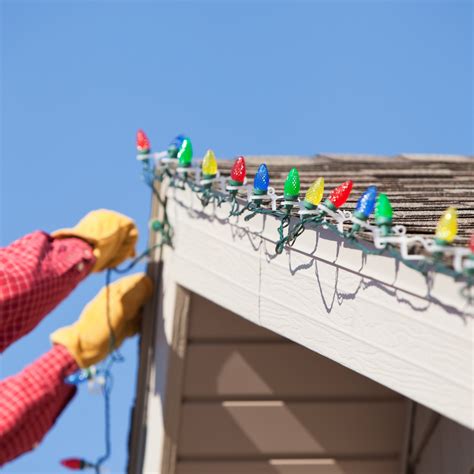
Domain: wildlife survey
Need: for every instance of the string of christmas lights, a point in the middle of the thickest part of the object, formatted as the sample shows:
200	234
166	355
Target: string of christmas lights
261	198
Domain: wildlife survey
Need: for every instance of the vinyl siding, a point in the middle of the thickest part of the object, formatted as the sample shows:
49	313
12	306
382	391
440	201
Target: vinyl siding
254	402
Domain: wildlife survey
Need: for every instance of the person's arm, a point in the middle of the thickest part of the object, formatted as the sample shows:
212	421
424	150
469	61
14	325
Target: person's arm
31	401
36	273
39	270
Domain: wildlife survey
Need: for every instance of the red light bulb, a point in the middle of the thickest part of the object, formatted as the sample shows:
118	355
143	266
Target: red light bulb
238	171
143	144
74	464
471	243
340	194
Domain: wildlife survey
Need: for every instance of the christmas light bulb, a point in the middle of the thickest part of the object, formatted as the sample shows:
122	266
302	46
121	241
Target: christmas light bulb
383	209
81	375
175	145
339	195
383	214
314	194
447	228
209	165
238	172
292	185
185	153
261	180
177	140
143	144
74	464
366	203
470	270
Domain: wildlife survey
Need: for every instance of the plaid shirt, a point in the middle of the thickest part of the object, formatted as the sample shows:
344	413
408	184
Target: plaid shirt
36	273
31	401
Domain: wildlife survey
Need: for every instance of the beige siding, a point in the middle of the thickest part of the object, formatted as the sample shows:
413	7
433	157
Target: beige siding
273	428
289	466
210	322
254	402
273	370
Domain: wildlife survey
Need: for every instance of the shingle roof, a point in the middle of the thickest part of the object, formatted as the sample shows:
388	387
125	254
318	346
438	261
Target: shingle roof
420	187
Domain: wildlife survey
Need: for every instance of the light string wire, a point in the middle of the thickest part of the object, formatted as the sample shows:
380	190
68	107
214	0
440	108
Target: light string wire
397	243
105	370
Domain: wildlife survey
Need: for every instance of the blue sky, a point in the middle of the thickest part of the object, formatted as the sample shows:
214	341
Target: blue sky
243	78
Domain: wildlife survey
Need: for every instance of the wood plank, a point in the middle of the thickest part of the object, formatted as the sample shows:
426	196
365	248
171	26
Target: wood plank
201	269
138	438
405	376
276	429
289	466
355	319
209	321
174	384
272	370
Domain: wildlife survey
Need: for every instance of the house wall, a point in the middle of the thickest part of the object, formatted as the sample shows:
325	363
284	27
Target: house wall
255	402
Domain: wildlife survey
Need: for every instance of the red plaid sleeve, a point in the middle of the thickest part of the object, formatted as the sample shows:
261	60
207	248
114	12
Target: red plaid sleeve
36	273
31	401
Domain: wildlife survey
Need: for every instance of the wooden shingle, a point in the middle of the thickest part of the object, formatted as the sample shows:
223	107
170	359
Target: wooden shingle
420	187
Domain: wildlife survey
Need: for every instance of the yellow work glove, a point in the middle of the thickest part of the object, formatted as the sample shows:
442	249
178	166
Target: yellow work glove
88	339
112	235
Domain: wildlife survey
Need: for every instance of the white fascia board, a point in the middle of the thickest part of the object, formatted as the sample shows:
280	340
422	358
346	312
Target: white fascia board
409	332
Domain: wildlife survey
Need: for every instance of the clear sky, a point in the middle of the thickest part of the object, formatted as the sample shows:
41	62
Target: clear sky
241	77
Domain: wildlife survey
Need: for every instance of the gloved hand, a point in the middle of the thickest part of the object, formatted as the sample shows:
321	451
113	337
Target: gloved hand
88	339
112	235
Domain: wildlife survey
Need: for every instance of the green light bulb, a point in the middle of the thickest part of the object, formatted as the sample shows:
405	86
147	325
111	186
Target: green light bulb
292	185
156	225
185	154
383	213
383	209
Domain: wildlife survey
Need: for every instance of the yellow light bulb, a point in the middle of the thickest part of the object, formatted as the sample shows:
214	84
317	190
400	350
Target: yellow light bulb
315	192
209	164
447	226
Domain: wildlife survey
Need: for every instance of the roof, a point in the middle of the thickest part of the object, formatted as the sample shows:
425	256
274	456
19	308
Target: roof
420	187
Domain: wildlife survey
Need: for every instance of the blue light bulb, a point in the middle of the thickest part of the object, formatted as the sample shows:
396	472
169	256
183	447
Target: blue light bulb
175	145
77	377
81	375
366	203
262	179
177	141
